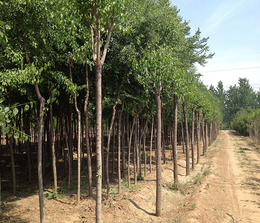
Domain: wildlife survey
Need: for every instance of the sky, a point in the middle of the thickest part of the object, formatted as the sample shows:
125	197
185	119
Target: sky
233	28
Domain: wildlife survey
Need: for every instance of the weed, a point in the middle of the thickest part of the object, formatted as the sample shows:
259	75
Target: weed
206	172
176	221
28	208
51	195
207	186
196	179
193	205
243	149
140	178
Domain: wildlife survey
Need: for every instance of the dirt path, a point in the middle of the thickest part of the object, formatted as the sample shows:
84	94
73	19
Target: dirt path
231	191
224	187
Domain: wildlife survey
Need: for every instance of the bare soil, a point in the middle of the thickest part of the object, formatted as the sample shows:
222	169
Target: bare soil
224	187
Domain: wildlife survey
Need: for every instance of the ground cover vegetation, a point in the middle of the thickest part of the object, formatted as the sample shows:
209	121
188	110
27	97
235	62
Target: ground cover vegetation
100	88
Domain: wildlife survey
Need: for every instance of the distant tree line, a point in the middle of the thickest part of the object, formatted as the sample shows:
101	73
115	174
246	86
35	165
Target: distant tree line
240	106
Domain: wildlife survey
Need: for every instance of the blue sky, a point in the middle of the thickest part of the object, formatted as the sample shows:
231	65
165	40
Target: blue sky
233	28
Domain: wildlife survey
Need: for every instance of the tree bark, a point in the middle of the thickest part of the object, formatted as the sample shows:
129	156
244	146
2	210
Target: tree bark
129	153
89	156
192	140
198	136
186	130
53	146
12	164
108	147
40	134
174	140
119	150
203	135
158	153
151	145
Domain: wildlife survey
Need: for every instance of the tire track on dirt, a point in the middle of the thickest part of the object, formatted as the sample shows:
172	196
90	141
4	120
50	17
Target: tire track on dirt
229	193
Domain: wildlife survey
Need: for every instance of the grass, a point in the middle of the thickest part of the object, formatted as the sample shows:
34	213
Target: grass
196	179
193	206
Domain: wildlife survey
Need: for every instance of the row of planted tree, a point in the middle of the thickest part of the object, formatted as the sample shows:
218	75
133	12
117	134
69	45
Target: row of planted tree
53	55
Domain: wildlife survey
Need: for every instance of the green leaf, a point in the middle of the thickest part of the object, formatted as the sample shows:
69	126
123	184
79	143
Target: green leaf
26	107
15	111
7	109
6	129
16	135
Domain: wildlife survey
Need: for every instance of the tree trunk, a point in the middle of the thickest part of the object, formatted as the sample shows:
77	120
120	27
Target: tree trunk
129	153
123	147
28	144
192	139
119	152
99	140
198	136
158	153
203	134
108	148
70	152
206	136
182	136
40	134
151	145
90	188
174	140
186	130
144	142
53	146
79	147
163	139
12	164
135	153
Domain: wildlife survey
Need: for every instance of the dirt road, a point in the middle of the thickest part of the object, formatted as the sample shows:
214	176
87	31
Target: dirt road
224	187
231	192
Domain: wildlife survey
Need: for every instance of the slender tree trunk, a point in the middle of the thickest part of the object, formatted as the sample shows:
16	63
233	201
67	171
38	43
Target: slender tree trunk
108	148
129	153
203	134
28	144
186	139
192	139
206	135
70	152
163	138
113	151
79	148
119	149
135	154
198	136
53	146
174	140
182	137
158	153
144	142
151	145
99	141
89	156
12	164
123	147
40	134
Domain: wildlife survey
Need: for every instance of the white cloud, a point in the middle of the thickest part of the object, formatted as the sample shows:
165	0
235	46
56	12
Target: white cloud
225	11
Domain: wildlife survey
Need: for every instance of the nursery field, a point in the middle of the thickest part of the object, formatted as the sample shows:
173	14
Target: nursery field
224	187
